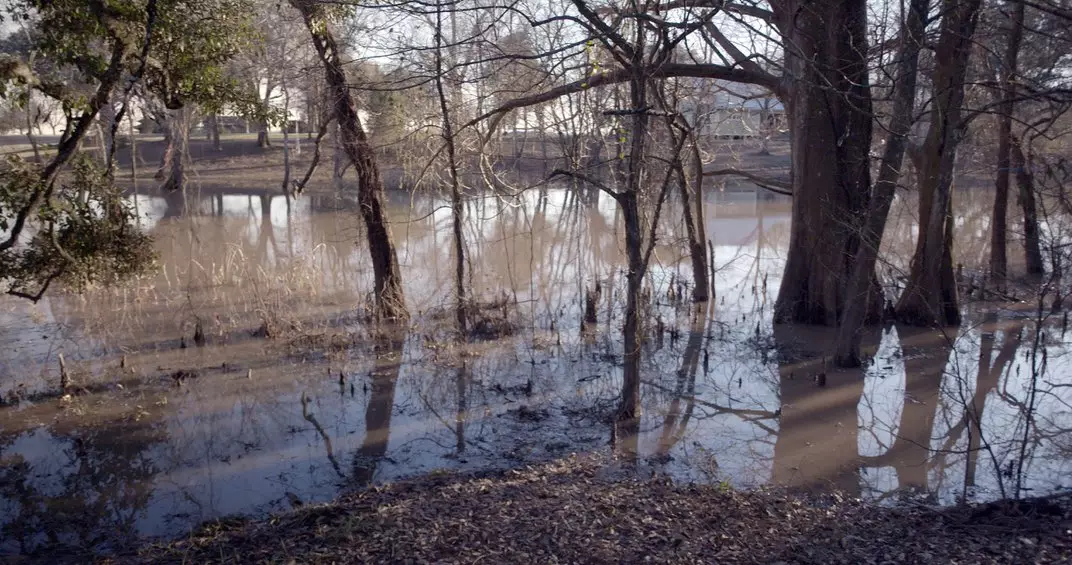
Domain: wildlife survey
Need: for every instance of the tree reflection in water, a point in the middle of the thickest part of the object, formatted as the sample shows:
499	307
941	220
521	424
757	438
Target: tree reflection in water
732	399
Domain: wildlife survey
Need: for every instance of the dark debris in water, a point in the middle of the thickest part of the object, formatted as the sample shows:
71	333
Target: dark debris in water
571	511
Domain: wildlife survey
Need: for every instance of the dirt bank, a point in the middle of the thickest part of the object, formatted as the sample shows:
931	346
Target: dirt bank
575	511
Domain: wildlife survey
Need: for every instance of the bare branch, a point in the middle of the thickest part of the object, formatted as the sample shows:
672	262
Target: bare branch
773	185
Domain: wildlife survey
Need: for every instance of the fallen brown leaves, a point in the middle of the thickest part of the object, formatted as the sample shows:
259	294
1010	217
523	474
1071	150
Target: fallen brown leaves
570	511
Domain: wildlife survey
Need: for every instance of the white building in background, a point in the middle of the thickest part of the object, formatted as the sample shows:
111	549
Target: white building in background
729	110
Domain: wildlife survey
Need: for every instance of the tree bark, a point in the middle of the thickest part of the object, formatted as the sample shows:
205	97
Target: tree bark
457	208
1007	76
930	296
169	149
179	128
1025	181
863	270
628	199
388	280
213	124
177	152
828	105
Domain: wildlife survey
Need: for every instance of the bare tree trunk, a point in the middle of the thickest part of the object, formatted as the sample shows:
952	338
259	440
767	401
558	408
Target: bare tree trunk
829	106
629	410
29	131
930	296
457	209
169	148
177	151
388	279
1025	180
263	140
1007	76
105	122
213	124
878	210
286	143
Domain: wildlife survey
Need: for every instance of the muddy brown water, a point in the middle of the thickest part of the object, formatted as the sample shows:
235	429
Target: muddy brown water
158	437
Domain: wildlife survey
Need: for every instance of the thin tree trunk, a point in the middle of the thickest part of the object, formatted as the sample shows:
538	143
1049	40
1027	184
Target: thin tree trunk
325	123
458	211
29	129
930	296
133	136
1007	75
904	95
286	143
388	280
629	410
1025	180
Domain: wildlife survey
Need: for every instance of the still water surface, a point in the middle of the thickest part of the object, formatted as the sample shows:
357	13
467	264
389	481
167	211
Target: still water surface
165	437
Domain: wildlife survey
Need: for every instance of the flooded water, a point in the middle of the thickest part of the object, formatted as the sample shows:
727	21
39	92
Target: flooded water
165	434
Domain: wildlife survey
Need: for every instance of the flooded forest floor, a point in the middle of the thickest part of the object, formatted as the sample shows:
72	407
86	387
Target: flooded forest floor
240	404
576	510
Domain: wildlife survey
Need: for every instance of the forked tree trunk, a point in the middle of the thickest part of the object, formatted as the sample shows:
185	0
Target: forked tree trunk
904	95
1007	75
390	299
930	296
1025	180
829	106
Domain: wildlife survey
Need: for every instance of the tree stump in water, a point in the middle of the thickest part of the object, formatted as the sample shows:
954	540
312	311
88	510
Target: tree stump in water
591	301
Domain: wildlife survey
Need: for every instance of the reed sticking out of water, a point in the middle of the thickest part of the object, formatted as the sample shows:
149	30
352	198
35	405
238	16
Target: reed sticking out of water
65	378
591	301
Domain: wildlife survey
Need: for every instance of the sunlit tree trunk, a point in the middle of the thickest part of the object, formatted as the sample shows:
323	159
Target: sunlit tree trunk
177	151
388	280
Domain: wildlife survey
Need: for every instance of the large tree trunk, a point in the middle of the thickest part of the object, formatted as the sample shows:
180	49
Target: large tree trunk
388	279
930	296
902	112
829	106
1026	196
177	152
1007	76
169	149
213	125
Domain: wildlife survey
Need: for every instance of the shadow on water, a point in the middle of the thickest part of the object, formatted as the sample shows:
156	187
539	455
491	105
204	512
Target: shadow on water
295	398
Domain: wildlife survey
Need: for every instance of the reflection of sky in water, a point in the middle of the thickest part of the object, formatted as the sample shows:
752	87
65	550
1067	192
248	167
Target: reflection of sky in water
240	446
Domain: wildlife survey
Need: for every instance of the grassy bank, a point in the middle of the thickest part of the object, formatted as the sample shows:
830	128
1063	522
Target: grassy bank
574	511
